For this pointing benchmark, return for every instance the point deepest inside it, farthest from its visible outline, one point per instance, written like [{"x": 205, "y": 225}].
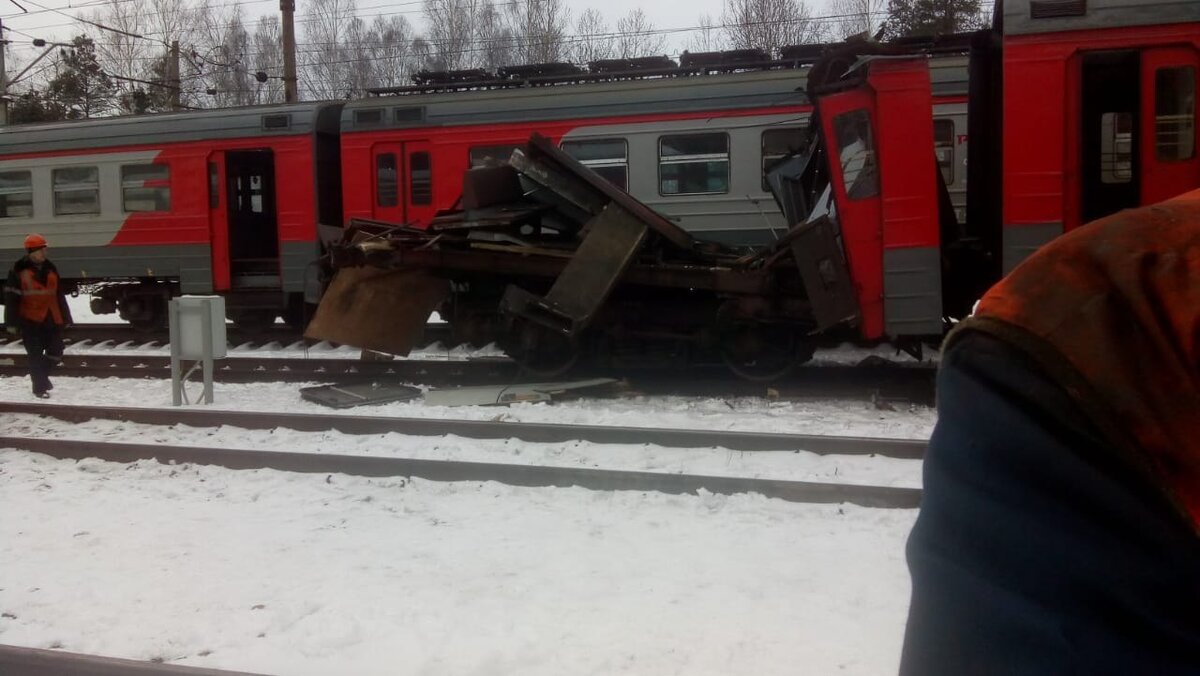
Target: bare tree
[
  {"x": 451, "y": 29},
  {"x": 130, "y": 58},
  {"x": 495, "y": 45},
  {"x": 707, "y": 37},
  {"x": 636, "y": 36},
  {"x": 539, "y": 28},
  {"x": 769, "y": 24},
  {"x": 593, "y": 39},
  {"x": 326, "y": 69},
  {"x": 858, "y": 16},
  {"x": 223, "y": 61},
  {"x": 268, "y": 58},
  {"x": 390, "y": 50}
]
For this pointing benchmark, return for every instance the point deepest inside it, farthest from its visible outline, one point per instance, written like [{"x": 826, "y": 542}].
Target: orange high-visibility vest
[
  {"x": 1111, "y": 311},
  {"x": 39, "y": 300}
]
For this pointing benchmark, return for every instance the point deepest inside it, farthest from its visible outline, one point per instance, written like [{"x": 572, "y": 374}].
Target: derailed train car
[{"x": 873, "y": 249}]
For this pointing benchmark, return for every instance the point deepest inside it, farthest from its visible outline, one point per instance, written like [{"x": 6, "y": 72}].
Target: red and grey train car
[
  {"x": 143, "y": 208},
  {"x": 695, "y": 148},
  {"x": 1077, "y": 110}
]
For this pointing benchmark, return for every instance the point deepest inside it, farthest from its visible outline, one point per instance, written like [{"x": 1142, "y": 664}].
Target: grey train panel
[
  {"x": 190, "y": 263},
  {"x": 1020, "y": 241},
  {"x": 295, "y": 260},
  {"x": 1098, "y": 14},
  {"x": 159, "y": 128},
  {"x": 912, "y": 291},
  {"x": 732, "y": 91}
]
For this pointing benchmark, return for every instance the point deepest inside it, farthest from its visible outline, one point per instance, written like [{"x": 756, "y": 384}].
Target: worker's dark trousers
[
  {"x": 1039, "y": 549},
  {"x": 44, "y": 345}
]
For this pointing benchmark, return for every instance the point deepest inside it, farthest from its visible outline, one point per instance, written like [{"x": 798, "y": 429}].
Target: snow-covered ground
[
  {"x": 292, "y": 574},
  {"x": 285, "y": 573}
]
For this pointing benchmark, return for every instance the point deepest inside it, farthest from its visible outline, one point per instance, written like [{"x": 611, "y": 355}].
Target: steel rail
[
  {"x": 908, "y": 383},
  {"x": 481, "y": 429},
  {"x": 277, "y": 369},
  {"x": 531, "y": 476},
  {"x": 20, "y": 661}
]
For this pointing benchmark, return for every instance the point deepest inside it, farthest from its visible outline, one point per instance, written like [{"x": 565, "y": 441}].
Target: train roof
[
  {"x": 643, "y": 96},
  {"x": 292, "y": 119},
  {"x": 1054, "y": 16}
]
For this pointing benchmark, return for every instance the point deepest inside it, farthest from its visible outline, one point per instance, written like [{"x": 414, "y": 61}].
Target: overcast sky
[{"x": 667, "y": 14}]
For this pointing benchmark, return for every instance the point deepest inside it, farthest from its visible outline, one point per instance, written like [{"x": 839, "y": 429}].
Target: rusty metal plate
[{"x": 383, "y": 310}]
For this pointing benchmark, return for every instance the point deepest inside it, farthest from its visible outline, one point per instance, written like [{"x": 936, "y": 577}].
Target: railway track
[
  {"x": 19, "y": 661},
  {"x": 906, "y": 383},
  {"x": 481, "y": 429}
]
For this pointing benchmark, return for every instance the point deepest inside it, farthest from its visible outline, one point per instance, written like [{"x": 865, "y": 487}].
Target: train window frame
[
  {"x": 8, "y": 190},
  {"x": 1116, "y": 171},
  {"x": 604, "y": 163},
  {"x": 946, "y": 164},
  {"x": 156, "y": 184},
  {"x": 387, "y": 196},
  {"x": 479, "y": 156},
  {"x": 849, "y": 127},
  {"x": 78, "y": 187},
  {"x": 682, "y": 159},
  {"x": 420, "y": 179},
  {"x": 770, "y": 156},
  {"x": 1175, "y": 113}
]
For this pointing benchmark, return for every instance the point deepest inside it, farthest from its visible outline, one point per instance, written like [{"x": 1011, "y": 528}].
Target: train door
[
  {"x": 403, "y": 182},
  {"x": 218, "y": 219},
  {"x": 252, "y": 219},
  {"x": 1109, "y": 143},
  {"x": 1170, "y": 165}
]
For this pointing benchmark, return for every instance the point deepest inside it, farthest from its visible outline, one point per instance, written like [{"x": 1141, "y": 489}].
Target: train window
[
  {"x": 146, "y": 187},
  {"x": 485, "y": 155},
  {"x": 214, "y": 186},
  {"x": 1175, "y": 113},
  {"x": 76, "y": 191},
  {"x": 387, "y": 182},
  {"x": 16, "y": 194},
  {"x": 420, "y": 179},
  {"x": 778, "y": 144},
  {"x": 856, "y": 153},
  {"x": 693, "y": 164},
  {"x": 1116, "y": 148},
  {"x": 943, "y": 147},
  {"x": 607, "y": 157},
  {"x": 368, "y": 117}
]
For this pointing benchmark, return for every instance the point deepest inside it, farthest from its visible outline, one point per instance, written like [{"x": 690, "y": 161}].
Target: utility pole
[
  {"x": 173, "y": 76},
  {"x": 3, "y": 78},
  {"x": 288, "y": 7}
]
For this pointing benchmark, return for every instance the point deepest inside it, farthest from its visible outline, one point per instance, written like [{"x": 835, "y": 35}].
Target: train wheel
[
  {"x": 764, "y": 353},
  {"x": 146, "y": 314},
  {"x": 540, "y": 351}
]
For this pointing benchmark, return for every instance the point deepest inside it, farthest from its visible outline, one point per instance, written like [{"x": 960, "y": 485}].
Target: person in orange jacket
[
  {"x": 1059, "y": 530},
  {"x": 35, "y": 307}
]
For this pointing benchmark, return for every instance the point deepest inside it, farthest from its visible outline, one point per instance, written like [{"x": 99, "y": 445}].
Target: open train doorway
[
  {"x": 1110, "y": 177},
  {"x": 253, "y": 220}
]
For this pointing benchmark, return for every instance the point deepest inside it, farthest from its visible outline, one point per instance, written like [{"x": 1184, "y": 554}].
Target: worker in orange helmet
[
  {"x": 1059, "y": 530},
  {"x": 35, "y": 307}
]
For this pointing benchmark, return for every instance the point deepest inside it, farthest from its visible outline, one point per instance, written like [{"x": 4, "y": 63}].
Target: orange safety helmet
[{"x": 34, "y": 242}]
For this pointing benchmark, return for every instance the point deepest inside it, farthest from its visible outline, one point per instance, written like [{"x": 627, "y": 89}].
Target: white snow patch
[{"x": 313, "y": 574}]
